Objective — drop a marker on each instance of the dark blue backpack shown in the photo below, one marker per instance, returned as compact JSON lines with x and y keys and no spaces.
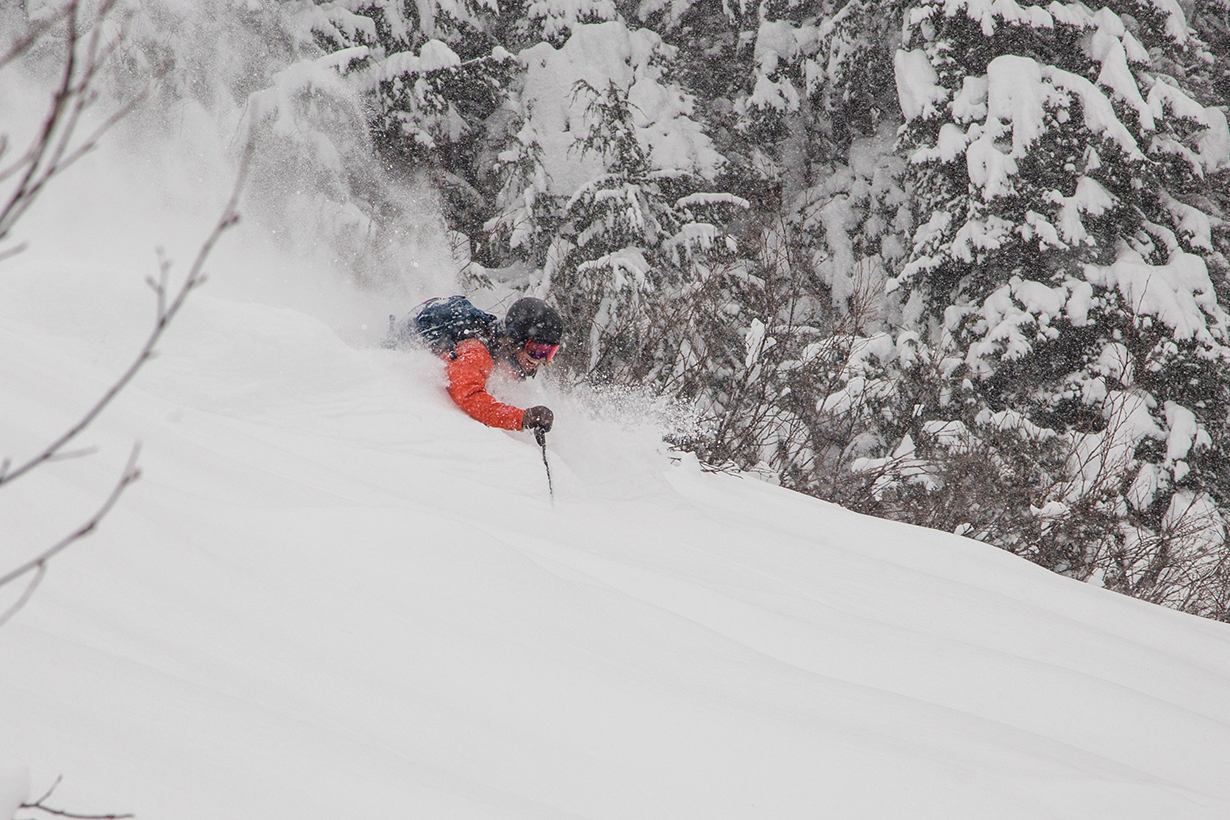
{"x":441,"y":324}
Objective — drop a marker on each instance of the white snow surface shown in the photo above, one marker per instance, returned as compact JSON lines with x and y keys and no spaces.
{"x":334,"y":595}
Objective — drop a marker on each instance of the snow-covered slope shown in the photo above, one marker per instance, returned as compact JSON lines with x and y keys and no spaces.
{"x":333,"y":595}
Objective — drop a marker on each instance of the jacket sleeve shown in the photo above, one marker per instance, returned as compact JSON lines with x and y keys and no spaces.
{"x":467,"y":385}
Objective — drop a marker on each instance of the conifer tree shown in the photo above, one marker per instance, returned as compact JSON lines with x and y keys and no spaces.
{"x":1061,"y":171}
{"x":632,"y":243}
{"x":435,"y":73}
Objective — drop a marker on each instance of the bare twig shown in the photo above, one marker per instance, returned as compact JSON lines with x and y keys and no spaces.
{"x":38,"y":805}
{"x":166,"y":312}
{"x":25,"y":596}
{"x":61,"y":813}
{"x":39,"y":563}
{"x":51,"y":789}
{"x":23,"y":43}
{"x":71,"y":454}
{"x":8,"y":253}
{"x":50,"y":153}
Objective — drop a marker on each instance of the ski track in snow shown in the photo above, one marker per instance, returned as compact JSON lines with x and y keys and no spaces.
{"x":332,"y":594}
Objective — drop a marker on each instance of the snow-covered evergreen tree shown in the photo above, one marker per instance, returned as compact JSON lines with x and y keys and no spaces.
{"x":1060,"y":170}
{"x":433,"y":74}
{"x":632,"y":245}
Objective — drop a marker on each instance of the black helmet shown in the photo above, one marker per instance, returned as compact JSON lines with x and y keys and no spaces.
{"x":533,"y":320}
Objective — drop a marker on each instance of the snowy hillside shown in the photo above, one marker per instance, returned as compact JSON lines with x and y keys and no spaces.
{"x":333,"y":595}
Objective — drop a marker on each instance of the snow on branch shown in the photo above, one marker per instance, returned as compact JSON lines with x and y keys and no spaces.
{"x":719,"y":198}
{"x":1178,"y":293}
{"x":322,"y":74}
{"x":332,"y":22}
{"x":918,"y":88}
{"x":559,"y":17}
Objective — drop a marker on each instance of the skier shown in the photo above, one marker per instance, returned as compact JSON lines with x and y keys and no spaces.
{"x":473,"y":342}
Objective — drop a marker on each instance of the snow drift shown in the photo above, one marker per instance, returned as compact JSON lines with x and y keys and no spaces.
{"x":334,"y":595}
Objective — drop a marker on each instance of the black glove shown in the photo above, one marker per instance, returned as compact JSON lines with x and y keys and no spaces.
{"x":538,"y":418}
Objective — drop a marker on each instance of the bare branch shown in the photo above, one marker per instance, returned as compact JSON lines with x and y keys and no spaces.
{"x":36,"y":32}
{"x":131,"y":473}
{"x":71,"y":454}
{"x":9,"y":253}
{"x":25,"y":596}
{"x":32,"y":161}
{"x":38,"y":805}
{"x":91,"y":141}
{"x":52,"y":152}
{"x":61,"y":813}
{"x":51,"y":789}
{"x":166,"y":313}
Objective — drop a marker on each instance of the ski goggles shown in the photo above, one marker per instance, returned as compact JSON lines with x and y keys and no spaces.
{"x":540,"y":351}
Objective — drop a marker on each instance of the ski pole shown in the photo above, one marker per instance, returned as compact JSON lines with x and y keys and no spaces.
{"x":541,"y":438}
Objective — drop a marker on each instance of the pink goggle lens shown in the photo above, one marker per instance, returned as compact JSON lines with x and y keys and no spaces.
{"x":540,"y":351}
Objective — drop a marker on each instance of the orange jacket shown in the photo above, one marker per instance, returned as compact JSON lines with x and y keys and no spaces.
{"x":468,"y":372}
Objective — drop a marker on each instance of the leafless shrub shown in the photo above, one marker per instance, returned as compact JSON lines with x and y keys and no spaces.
{"x":1184,"y":565}
{"x":1056,"y":501}
{"x":54,"y":149}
